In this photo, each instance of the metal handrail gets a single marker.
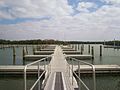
(81, 81)
(78, 78)
(39, 76)
(93, 69)
(37, 81)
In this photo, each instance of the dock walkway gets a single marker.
(59, 75)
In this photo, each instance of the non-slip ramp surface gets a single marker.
(62, 80)
(58, 82)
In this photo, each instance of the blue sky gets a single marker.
(74, 3)
(20, 20)
(60, 19)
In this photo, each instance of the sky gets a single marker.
(87, 20)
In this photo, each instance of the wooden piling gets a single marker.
(26, 50)
(78, 47)
(88, 49)
(23, 53)
(33, 50)
(92, 51)
(100, 50)
(82, 49)
(14, 56)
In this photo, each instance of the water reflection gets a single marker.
(101, 62)
(104, 81)
(14, 60)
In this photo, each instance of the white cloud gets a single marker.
(102, 24)
(36, 8)
(84, 6)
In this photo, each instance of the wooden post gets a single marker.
(23, 56)
(82, 48)
(14, 56)
(26, 50)
(100, 50)
(92, 52)
(75, 47)
(33, 50)
(88, 49)
(78, 47)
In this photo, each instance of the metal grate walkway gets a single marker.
(59, 73)
(58, 82)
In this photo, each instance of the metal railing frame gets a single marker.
(78, 76)
(39, 76)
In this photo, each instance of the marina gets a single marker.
(59, 44)
(58, 65)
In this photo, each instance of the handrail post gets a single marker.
(79, 74)
(44, 63)
(72, 71)
(25, 83)
(93, 70)
(38, 75)
(69, 70)
(50, 68)
(94, 79)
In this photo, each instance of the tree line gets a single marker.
(51, 41)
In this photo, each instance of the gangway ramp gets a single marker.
(59, 77)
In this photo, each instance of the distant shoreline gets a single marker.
(51, 41)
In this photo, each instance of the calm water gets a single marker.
(104, 82)
(110, 55)
(6, 55)
(15, 82)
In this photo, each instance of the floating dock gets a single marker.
(43, 52)
(59, 76)
(72, 52)
(46, 49)
(100, 69)
(110, 46)
(80, 57)
(83, 69)
(36, 57)
(19, 69)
